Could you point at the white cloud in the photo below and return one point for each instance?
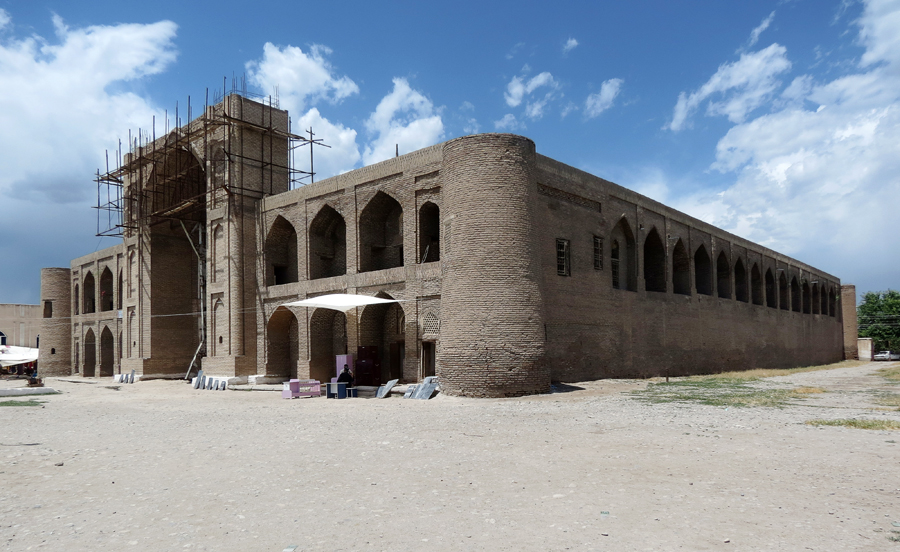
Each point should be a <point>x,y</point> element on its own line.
<point>343,153</point>
<point>754,34</point>
<point>601,101</point>
<point>569,45</point>
<point>4,18</point>
<point>404,117</point>
<point>63,100</point>
<point>822,183</point>
<point>301,79</point>
<point>470,124</point>
<point>743,85</point>
<point>518,88</point>
<point>509,123</point>
<point>67,100</point>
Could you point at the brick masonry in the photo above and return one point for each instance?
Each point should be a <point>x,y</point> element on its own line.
<point>466,235</point>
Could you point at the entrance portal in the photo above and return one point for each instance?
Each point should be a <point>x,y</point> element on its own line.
<point>90,354</point>
<point>107,353</point>
<point>283,344</point>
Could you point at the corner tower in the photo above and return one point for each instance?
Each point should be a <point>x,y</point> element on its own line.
<point>493,341</point>
<point>55,350</point>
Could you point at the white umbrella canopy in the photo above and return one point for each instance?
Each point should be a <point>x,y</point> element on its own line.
<point>11,356</point>
<point>340,301</point>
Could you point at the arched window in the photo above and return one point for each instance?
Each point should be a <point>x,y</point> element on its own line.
<point>771,295</point>
<point>327,244</point>
<point>783,292</point>
<point>89,294</point>
<point>107,297</point>
<point>654,263</point>
<point>756,286</point>
<point>796,299</point>
<point>832,302</point>
<point>824,299</point>
<point>119,292</point>
<point>429,233</point>
<point>702,271</point>
<point>77,301</point>
<point>807,298</point>
<point>815,298</point>
<point>281,253</point>
<point>723,276</point>
<point>681,269</point>
<point>741,290</point>
<point>624,262</point>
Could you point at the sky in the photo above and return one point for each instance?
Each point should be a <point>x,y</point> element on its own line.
<point>778,121</point>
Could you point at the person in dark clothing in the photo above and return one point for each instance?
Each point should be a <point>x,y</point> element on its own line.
<point>346,377</point>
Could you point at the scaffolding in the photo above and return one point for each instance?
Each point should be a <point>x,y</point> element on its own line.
<point>226,155</point>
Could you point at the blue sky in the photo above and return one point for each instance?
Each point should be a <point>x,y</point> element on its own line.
<point>776,120</point>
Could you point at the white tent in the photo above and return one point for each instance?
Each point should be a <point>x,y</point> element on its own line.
<point>340,301</point>
<point>11,356</point>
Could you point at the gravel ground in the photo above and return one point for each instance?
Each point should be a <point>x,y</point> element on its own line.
<point>160,466</point>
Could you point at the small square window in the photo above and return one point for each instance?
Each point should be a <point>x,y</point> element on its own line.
<point>563,262</point>
<point>598,253</point>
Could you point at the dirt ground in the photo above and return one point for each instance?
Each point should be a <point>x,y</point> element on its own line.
<point>160,466</point>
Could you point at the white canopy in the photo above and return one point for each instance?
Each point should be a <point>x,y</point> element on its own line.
<point>340,301</point>
<point>11,356</point>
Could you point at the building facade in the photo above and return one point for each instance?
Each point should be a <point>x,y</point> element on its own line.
<point>511,270</point>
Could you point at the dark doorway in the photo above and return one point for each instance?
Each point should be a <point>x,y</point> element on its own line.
<point>429,356</point>
<point>796,300</point>
<point>771,296</point>
<point>90,354</point>
<point>807,299</point>
<point>383,326</point>
<point>283,344</point>
<point>107,353</point>
<point>783,292</point>
<point>327,339</point>
<point>107,299</point>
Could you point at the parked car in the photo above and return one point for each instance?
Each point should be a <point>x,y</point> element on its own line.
<point>886,355</point>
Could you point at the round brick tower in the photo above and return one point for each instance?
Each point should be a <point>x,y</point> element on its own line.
<point>492,332</point>
<point>55,354</point>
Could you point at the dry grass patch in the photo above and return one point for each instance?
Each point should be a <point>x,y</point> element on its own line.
<point>888,399</point>
<point>891,372</point>
<point>858,424</point>
<point>760,373</point>
<point>807,390</point>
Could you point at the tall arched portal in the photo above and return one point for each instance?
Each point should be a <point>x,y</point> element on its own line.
<point>283,344</point>
<point>90,354</point>
<point>383,326</point>
<point>327,339</point>
<point>107,353</point>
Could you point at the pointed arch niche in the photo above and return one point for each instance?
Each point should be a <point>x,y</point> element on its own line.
<point>622,257</point>
<point>327,244</point>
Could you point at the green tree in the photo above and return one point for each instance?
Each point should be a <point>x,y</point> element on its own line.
<point>879,318</point>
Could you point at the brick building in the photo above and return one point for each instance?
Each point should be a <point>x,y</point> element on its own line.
<point>512,270</point>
